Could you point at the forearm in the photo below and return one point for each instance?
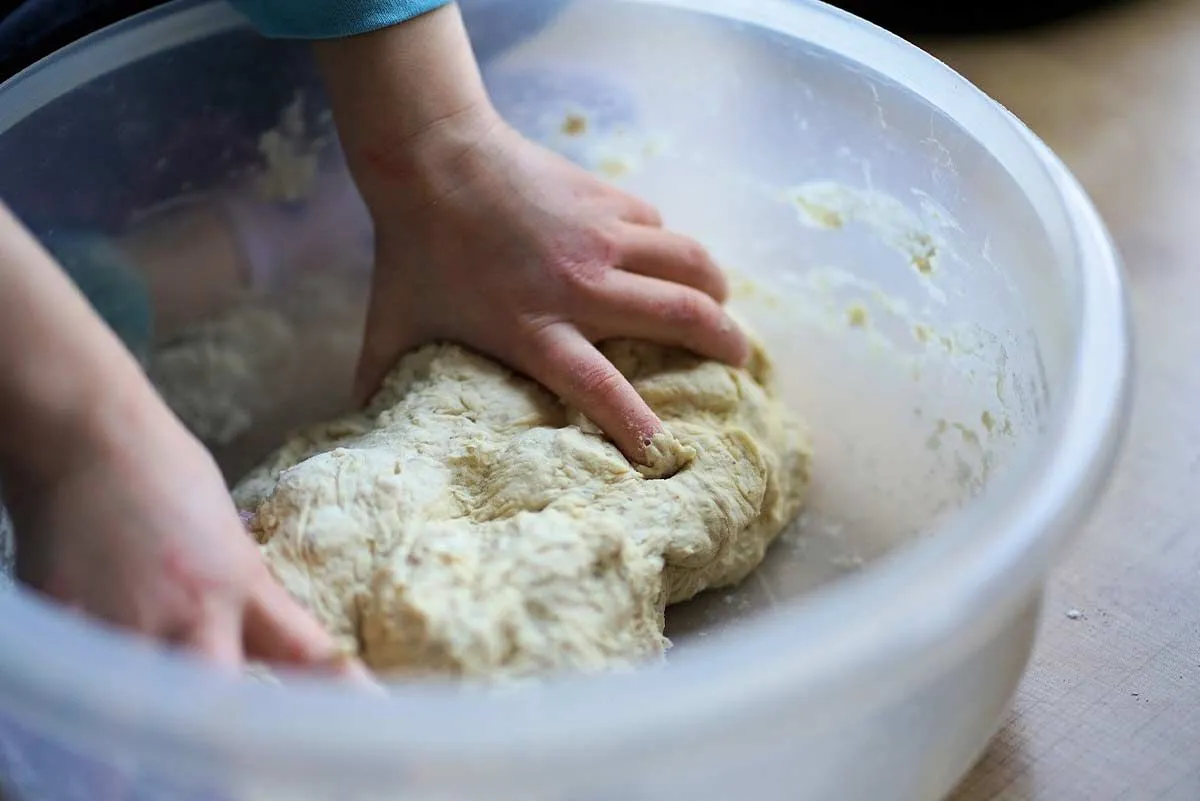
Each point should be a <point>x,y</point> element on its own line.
<point>394,66</point>
<point>63,373</point>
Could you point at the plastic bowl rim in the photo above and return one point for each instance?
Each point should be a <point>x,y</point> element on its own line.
<point>1028,519</point>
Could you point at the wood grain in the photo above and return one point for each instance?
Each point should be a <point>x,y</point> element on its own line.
<point>1111,706</point>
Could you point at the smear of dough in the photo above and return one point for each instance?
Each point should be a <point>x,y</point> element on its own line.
<point>460,525</point>
<point>244,371</point>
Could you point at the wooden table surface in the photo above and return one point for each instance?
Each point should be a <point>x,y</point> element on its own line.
<point>1111,706</point>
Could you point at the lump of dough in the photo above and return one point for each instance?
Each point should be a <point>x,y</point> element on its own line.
<point>453,599</point>
<point>467,524</point>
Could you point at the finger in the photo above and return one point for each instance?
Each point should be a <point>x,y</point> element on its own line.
<point>572,368</point>
<point>217,637</point>
<point>279,631</point>
<point>639,307</point>
<point>672,257</point>
<point>636,211</point>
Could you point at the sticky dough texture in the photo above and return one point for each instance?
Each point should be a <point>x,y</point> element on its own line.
<point>468,524</point>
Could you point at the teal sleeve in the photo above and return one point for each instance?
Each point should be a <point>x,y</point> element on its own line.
<point>329,19</point>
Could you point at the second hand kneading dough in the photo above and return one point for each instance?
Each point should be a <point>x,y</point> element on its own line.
<point>468,524</point>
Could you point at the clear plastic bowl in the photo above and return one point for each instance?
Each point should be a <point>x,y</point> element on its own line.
<point>944,303</point>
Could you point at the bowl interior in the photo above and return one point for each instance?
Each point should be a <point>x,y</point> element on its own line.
<point>902,281</point>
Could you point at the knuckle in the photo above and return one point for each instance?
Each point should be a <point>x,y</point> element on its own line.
<point>603,246</point>
<point>648,212</point>
<point>691,310</point>
<point>585,290</point>
<point>693,254</point>
<point>598,379</point>
<point>533,332</point>
<point>582,260</point>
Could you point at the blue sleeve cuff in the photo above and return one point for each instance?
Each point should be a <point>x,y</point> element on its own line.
<point>330,19</point>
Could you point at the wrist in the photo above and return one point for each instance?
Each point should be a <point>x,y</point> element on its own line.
<point>409,103</point>
<point>413,175</point>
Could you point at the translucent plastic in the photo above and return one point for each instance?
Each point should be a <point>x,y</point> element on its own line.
<point>943,303</point>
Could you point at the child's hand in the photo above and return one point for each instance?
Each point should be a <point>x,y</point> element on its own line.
<point>138,529</point>
<point>118,511</point>
<point>487,239</point>
<point>522,255</point>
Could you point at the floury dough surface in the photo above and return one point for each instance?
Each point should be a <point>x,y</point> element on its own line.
<point>467,524</point>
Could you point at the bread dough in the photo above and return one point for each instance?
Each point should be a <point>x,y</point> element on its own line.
<point>468,524</point>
